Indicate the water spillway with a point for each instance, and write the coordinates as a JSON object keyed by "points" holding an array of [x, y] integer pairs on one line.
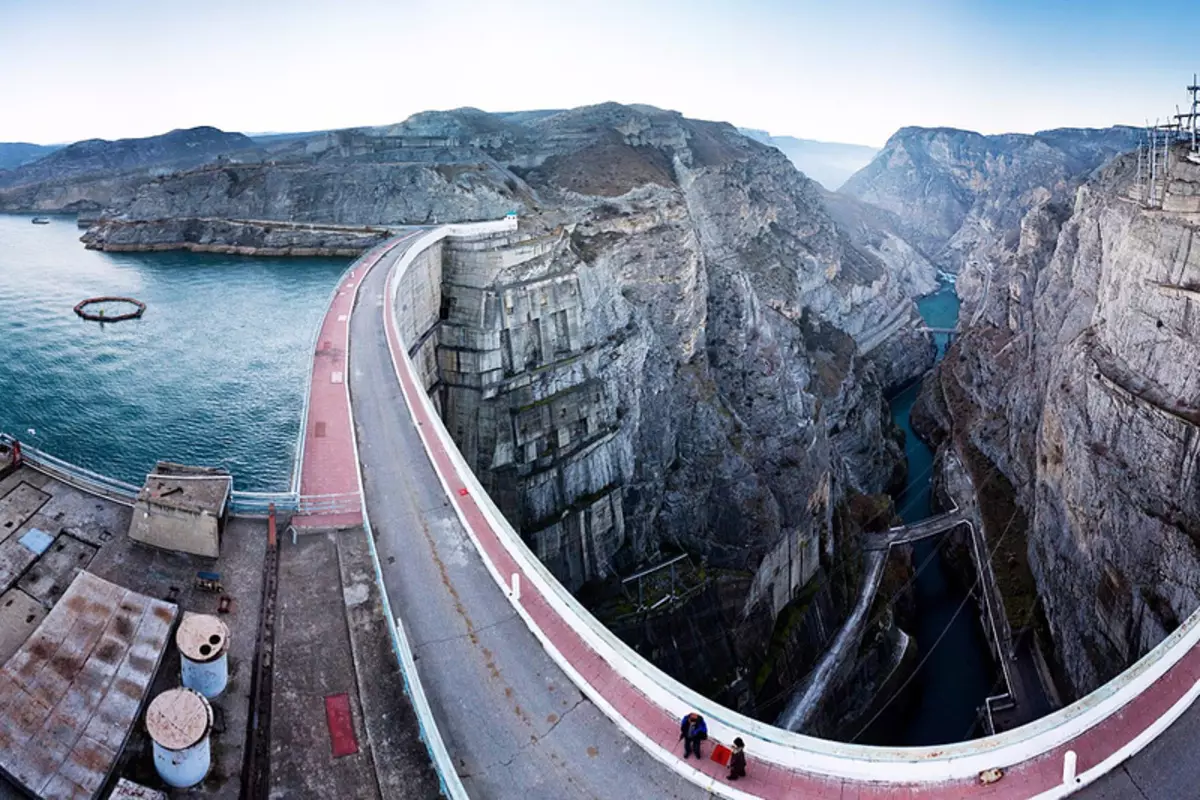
{"points": [[214, 372]]}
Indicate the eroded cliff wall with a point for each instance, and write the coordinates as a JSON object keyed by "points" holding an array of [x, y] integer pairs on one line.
{"points": [[672, 361], [1078, 383]]}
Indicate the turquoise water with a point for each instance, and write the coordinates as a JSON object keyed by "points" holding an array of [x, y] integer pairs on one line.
{"points": [[213, 374], [958, 674]]}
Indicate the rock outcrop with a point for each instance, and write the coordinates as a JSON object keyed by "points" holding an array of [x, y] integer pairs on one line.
{"points": [[243, 237], [685, 349], [1077, 385], [959, 194]]}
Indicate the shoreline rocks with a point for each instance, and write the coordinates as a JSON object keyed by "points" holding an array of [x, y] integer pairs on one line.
{"points": [[240, 237]]}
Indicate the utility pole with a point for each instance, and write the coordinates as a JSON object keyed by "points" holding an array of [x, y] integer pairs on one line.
{"points": [[1194, 90], [1153, 164]]}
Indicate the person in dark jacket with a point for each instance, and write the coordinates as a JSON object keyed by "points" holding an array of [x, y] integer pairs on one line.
{"points": [[737, 761], [693, 731]]}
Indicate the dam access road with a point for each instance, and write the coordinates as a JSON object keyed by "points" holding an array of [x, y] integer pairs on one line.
{"points": [[515, 724], [529, 701]]}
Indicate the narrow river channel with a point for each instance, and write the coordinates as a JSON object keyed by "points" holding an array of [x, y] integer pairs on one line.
{"points": [[957, 674]]}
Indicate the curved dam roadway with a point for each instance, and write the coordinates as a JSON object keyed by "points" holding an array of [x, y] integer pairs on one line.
{"points": [[516, 725]]}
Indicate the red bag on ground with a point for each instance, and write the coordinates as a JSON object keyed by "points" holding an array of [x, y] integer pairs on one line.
{"points": [[721, 754]]}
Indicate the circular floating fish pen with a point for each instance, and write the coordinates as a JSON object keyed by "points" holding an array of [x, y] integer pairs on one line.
{"points": [[93, 309]]}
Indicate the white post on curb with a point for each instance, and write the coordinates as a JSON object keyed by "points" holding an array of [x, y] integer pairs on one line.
{"points": [[1069, 767], [516, 586]]}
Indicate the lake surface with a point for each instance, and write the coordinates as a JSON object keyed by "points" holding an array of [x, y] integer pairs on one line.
{"points": [[958, 675], [213, 374]]}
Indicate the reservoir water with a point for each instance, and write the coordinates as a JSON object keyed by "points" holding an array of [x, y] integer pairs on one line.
{"points": [[957, 676], [213, 374]]}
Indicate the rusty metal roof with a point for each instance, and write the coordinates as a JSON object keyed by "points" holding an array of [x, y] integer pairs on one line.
{"points": [[71, 694]]}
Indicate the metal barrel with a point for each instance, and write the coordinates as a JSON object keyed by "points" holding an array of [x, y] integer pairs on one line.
{"points": [[203, 642], [179, 722]]}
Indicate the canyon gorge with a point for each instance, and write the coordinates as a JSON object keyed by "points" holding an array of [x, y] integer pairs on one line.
{"points": [[685, 355]]}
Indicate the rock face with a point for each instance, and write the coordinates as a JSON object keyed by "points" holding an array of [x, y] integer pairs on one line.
{"points": [[959, 194], [1077, 383], [685, 348], [344, 191], [243, 237], [670, 357]]}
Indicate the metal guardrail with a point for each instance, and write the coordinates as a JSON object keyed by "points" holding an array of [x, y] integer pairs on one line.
{"points": [[258, 504], [73, 475], [241, 504]]}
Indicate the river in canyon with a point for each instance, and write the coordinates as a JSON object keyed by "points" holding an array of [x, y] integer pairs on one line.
{"points": [[213, 374], [940, 704]]}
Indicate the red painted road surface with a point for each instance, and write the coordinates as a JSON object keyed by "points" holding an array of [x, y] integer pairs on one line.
{"points": [[341, 725], [329, 471], [329, 467]]}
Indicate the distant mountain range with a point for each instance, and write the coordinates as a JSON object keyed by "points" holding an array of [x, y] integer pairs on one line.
{"points": [[958, 194], [15, 154], [827, 163]]}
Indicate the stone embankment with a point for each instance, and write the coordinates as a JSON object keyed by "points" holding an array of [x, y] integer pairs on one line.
{"points": [[242, 237]]}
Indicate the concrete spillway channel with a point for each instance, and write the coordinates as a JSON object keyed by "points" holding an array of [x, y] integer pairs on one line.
{"points": [[807, 699], [832, 665]]}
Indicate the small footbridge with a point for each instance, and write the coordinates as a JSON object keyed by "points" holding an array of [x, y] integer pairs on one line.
{"points": [[916, 531], [831, 666]]}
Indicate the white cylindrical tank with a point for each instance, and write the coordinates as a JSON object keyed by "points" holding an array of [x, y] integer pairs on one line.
{"points": [[203, 642], [179, 722]]}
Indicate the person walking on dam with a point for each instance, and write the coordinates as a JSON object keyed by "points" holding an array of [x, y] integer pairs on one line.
{"points": [[737, 761], [693, 731]]}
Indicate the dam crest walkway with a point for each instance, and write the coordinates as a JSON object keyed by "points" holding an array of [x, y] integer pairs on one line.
{"points": [[527, 695]]}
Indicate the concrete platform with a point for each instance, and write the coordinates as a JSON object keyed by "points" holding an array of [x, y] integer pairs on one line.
{"points": [[71, 694], [332, 641], [89, 533]]}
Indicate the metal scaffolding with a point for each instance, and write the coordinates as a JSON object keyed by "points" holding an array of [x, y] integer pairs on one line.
{"points": [[1154, 154]]}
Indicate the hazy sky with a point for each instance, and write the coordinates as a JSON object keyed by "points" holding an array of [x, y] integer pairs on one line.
{"points": [[839, 71]]}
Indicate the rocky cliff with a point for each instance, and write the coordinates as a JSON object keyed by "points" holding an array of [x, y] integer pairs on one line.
{"points": [[670, 358], [684, 350], [242, 237], [959, 194], [1076, 384]]}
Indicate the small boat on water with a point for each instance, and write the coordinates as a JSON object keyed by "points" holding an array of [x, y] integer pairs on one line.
{"points": [[41, 220]]}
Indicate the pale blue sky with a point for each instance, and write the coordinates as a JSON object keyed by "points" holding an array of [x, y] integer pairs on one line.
{"points": [[842, 71]]}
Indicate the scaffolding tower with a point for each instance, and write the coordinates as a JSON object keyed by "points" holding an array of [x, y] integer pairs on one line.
{"points": [[1154, 154]]}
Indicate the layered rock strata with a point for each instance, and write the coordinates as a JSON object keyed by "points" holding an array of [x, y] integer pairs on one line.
{"points": [[242, 237], [1076, 385]]}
